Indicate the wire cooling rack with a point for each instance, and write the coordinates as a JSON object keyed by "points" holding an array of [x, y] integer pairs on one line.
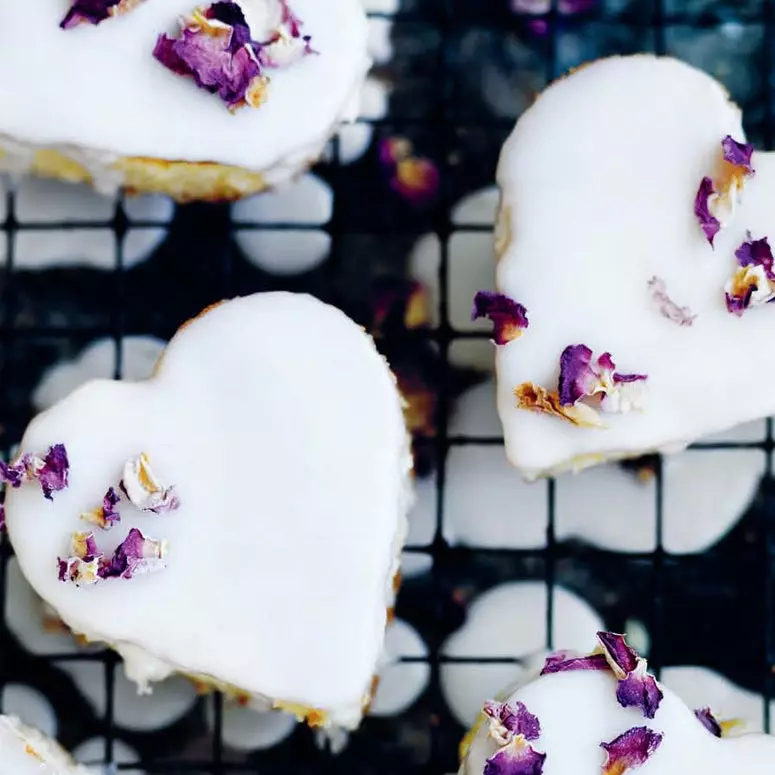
{"points": [[460, 73]]}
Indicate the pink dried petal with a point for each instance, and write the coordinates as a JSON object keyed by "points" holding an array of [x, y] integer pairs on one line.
{"points": [[50, 471], [106, 515], [753, 282], [507, 721], [95, 11], [630, 750], [582, 377], [414, 178], [683, 316], [509, 317], [621, 657], [564, 661], [135, 555], [708, 720], [709, 224], [738, 154], [639, 689], [83, 564], [517, 758]]}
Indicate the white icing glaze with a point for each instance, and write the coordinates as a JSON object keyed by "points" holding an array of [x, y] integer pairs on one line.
{"points": [[578, 711], [598, 182], [294, 453], [111, 98], [25, 751]]}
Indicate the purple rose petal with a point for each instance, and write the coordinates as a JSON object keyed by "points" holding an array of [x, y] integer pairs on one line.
{"points": [[95, 11], [53, 474], [13, 474], [507, 721], [709, 224], [639, 689], [106, 515], [630, 750], [509, 317], [582, 377], [621, 657], [683, 316], [82, 567], [563, 661], [708, 720], [135, 555], [738, 154], [217, 50], [517, 758], [753, 282]]}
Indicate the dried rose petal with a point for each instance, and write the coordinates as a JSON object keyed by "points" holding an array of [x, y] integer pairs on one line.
{"points": [[106, 515], [84, 546], [82, 567], [582, 377], [753, 282], [51, 471], [709, 224], [397, 304], [13, 474], [639, 689], [630, 750], [738, 154], [517, 758], [95, 11], [216, 50], [135, 555], [715, 201], [507, 721], [144, 490], [708, 720], [669, 309], [621, 657], [564, 661], [287, 45], [77, 571], [534, 398], [636, 686], [509, 317], [414, 178]]}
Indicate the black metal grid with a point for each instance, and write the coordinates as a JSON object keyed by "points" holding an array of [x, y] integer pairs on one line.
{"points": [[716, 609]]}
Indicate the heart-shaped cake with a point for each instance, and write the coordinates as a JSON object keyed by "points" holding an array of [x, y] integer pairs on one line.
{"points": [[198, 100], [633, 269], [605, 714], [26, 751], [238, 517]]}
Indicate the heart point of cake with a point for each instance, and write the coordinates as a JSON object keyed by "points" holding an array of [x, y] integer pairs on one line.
{"points": [[604, 713], [233, 525]]}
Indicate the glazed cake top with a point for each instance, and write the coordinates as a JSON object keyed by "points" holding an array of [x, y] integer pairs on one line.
{"points": [[100, 88], [599, 180], [281, 428]]}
